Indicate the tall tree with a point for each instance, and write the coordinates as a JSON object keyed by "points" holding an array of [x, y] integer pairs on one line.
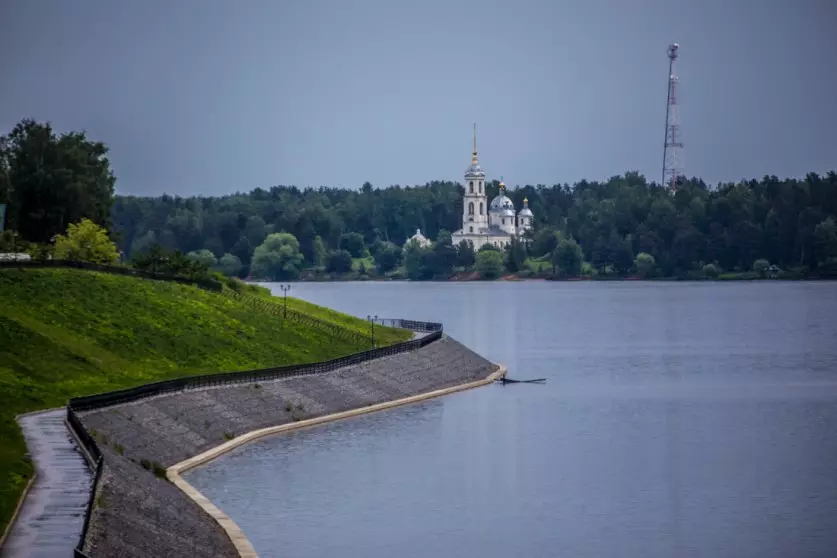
{"points": [[278, 258], [50, 181]]}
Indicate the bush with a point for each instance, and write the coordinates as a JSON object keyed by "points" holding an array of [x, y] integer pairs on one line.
{"points": [[645, 264], [710, 271], [761, 266], [86, 242], [489, 263], [339, 261]]}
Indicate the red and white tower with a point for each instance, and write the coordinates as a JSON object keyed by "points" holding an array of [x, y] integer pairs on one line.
{"points": [[673, 153]]}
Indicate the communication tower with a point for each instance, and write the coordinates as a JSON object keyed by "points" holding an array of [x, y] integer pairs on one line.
{"points": [[672, 154]]}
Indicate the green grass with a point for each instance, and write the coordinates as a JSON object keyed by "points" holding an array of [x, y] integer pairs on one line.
{"points": [[383, 336], [66, 333]]}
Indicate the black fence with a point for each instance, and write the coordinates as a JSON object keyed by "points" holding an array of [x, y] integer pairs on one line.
{"points": [[204, 283], [433, 330], [246, 376], [95, 454], [278, 309]]}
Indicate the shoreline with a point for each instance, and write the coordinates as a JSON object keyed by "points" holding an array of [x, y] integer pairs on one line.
{"points": [[515, 279], [141, 439], [234, 532]]}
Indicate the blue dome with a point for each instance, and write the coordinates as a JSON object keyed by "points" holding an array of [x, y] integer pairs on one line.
{"points": [[501, 203]]}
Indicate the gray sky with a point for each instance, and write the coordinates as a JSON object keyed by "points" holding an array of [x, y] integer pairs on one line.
{"points": [[210, 97]]}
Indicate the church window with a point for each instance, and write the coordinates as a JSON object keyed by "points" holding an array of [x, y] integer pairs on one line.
{"points": [[480, 186], [470, 208], [470, 229], [504, 221], [480, 208], [471, 186]]}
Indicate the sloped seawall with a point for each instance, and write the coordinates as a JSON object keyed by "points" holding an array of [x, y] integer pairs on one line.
{"points": [[138, 513]]}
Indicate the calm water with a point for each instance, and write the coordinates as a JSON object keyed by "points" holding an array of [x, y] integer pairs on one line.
{"points": [[678, 419]]}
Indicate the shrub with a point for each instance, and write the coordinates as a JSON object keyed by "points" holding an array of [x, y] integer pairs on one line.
{"points": [[710, 270], [761, 266]]}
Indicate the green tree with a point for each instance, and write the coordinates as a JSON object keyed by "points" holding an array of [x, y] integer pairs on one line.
{"points": [[515, 255], [825, 240], [204, 257], [489, 264], [243, 251], [229, 265], [339, 261], [387, 257], [761, 266], [645, 264], [443, 257], [568, 257], [417, 262], [278, 258], [710, 270], [86, 242], [51, 181], [353, 243], [319, 251], [465, 255], [544, 242]]}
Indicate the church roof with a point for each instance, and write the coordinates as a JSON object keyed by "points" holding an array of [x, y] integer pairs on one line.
{"points": [[501, 202], [475, 170], [526, 212]]}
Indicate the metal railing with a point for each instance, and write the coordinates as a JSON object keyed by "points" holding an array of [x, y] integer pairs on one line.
{"points": [[95, 454], [246, 376], [290, 314], [97, 401]]}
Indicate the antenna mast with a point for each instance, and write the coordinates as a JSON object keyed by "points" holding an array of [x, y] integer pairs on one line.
{"points": [[672, 153]]}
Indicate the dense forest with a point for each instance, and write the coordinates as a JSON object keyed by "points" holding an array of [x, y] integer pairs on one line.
{"points": [[790, 223], [623, 226]]}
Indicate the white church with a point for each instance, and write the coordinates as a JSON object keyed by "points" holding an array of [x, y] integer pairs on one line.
{"points": [[484, 223]]}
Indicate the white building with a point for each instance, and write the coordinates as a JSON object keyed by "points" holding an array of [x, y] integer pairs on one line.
{"points": [[482, 223], [419, 239]]}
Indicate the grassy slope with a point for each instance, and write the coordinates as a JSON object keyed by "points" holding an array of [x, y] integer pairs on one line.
{"points": [[383, 336], [66, 333]]}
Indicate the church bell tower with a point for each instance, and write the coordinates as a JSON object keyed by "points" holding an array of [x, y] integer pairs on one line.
{"points": [[475, 206]]}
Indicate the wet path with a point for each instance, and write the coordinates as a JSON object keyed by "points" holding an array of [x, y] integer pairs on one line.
{"points": [[52, 516]]}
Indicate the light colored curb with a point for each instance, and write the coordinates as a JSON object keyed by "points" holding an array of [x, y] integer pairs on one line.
{"points": [[242, 545]]}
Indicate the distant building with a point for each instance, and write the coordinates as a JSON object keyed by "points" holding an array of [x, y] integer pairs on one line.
{"points": [[419, 239], [485, 224]]}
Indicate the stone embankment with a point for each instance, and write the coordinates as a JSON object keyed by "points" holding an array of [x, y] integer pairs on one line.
{"points": [[138, 513]]}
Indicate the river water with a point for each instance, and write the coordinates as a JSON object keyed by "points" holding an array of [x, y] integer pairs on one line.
{"points": [[678, 419]]}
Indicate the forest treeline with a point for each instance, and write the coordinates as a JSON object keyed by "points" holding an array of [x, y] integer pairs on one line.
{"points": [[788, 222], [618, 227]]}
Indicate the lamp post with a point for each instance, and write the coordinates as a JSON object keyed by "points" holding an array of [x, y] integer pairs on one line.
{"points": [[372, 323], [285, 289]]}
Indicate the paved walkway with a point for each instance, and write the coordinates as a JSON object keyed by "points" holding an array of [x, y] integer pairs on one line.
{"points": [[52, 516]]}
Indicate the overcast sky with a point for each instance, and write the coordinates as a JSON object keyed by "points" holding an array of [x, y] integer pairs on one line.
{"points": [[211, 96]]}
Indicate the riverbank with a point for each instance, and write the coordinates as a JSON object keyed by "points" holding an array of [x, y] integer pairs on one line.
{"points": [[67, 332], [475, 277], [140, 440]]}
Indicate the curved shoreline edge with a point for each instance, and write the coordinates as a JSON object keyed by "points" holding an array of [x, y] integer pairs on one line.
{"points": [[236, 535]]}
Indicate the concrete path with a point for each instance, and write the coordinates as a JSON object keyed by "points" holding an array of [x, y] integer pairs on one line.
{"points": [[52, 516]]}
